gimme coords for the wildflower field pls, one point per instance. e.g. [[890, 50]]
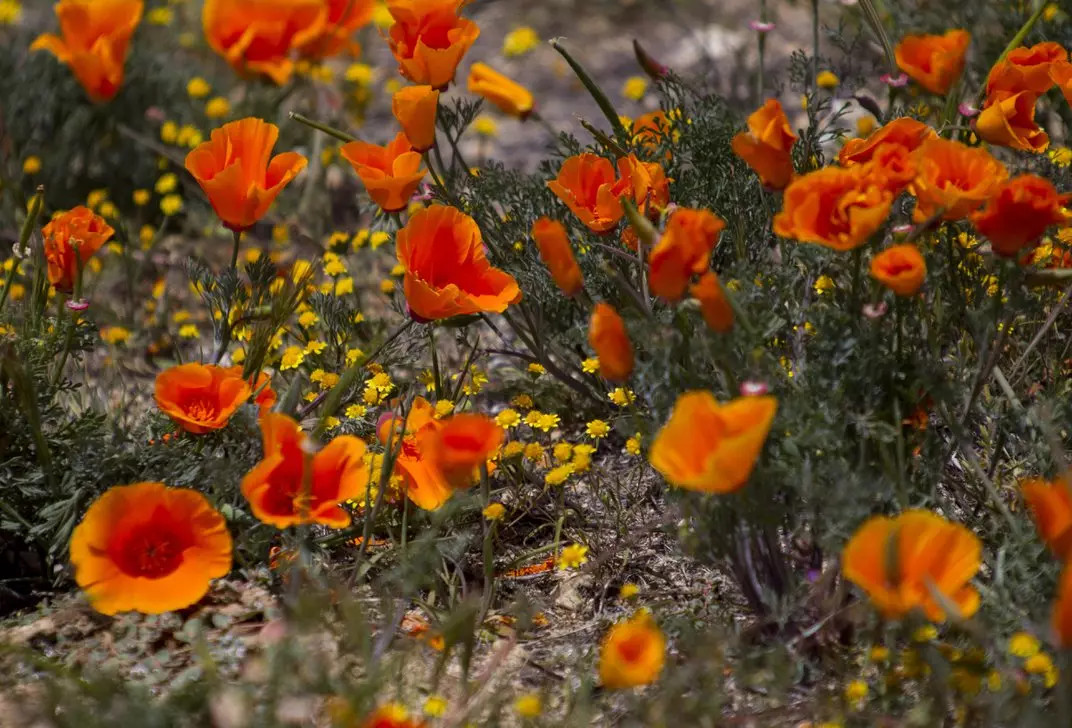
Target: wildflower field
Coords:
[[443, 363]]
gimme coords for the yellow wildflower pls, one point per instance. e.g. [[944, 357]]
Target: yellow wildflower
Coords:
[[572, 556]]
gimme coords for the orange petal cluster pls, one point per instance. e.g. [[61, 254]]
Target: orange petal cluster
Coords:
[[589, 187], [954, 180], [429, 38], [1019, 212], [632, 654], [461, 444], [1050, 504], [683, 251], [1013, 88], [200, 398], [509, 96], [608, 337], [903, 132], [424, 483], [767, 146], [935, 62], [79, 227], [557, 255], [415, 109], [835, 207], [900, 268], [390, 174], [344, 18]]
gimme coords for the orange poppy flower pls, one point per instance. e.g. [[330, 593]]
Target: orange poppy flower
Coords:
[[237, 171], [715, 308], [834, 207], [608, 337], [391, 174], [684, 250], [935, 62], [900, 268], [632, 654], [149, 548], [1061, 74], [904, 132], [391, 715], [1019, 212], [1008, 120], [1051, 507], [1027, 69], [649, 186], [446, 271], [710, 447], [263, 395], [200, 398], [509, 96], [954, 179], [429, 38], [79, 226], [415, 109], [290, 486], [767, 146], [258, 36], [424, 483], [344, 18], [461, 444], [894, 166], [650, 129], [557, 255], [586, 183], [93, 42], [1061, 621], [899, 561]]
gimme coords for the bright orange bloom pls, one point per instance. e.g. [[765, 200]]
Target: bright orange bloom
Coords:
[[237, 171], [900, 268], [632, 653], [200, 398], [905, 132], [415, 109], [710, 447], [935, 62], [291, 486], [264, 396], [1019, 212], [424, 483], [1061, 74], [954, 179], [1026, 69], [344, 18], [1061, 620], [684, 250], [81, 227], [149, 548], [587, 184], [1051, 507], [391, 715], [509, 96], [899, 561], [1008, 120], [834, 207], [647, 181], [391, 174], [557, 255], [608, 337], [650, 129], [446, 271], [429, 39], [895, 166], [767, 146], [715, 308], [95, 41], [461, 444], [258, 36]]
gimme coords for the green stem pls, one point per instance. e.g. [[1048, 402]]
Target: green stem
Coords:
[[1016, 42], [28, 226], [329, 130], [815, 42], [857, 267], [234, 252], [761, 42], [489, 545], [597, 93], [437, 379]]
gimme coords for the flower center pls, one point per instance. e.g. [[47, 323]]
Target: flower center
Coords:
[[150, 552], [202, 410]]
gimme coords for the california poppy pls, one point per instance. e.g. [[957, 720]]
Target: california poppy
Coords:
[[651, 129], [710, 447], [291, 486], [263, 395], [632, 653], [200, 397], [608, 337], [94, 41], [1061, 621], [446, 271], [391, 173], [905, 132], [81, 227], [429, 38], [589, 187], [344, 18], [715, 308], [835, 207], [767, 146], [900, 268], [903, 562], [149, 548], [1027, 68], [894, 166], [646, 183], [557, 255], [1019, 212], [461, 444], [415, 109], [954, 180], [1051, 507], [423, 482], [935, 62], [684, 250], [509, 96], [237, 171], [1008, 120], [1061, 74], [259, 36]]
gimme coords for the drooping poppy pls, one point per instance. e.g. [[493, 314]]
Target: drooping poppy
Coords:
[[79, 227], [1019, 212], [237, 171], [149, 548], [900, 268], [446, 270], [94, 41], [461, 444], [935, 62], [557, 255], [710, 447], [835, 207], [415, 109], [609, 339], [1008, 120], [509, 96], [429, 38], [683, 250], [589, 187], [905, 132], [391, 173], [767, 146], [715, 307], [1051, 507], [632, 653], [954, 179], [260, 36], [200, 398]]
